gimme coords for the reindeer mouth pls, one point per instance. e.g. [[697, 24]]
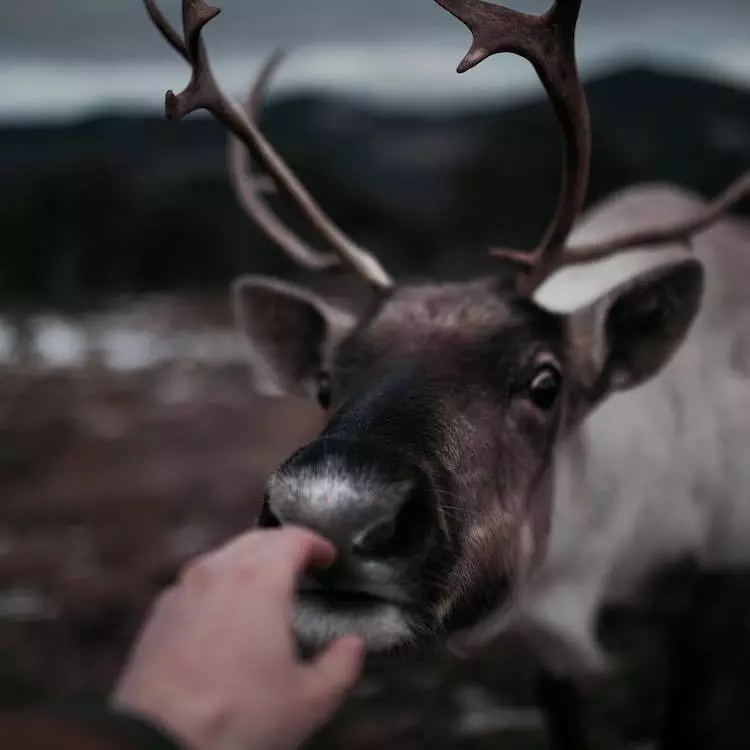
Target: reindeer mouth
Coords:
[[381, 620], [354, 591], [345, 599]]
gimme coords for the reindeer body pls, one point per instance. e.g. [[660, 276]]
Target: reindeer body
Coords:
[[655, 473]]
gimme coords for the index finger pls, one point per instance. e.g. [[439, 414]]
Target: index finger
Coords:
[[290, 552], [281, 555]]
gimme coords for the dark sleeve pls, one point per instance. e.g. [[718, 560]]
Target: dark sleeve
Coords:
[[81, 726]]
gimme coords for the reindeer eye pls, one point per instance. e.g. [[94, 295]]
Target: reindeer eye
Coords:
[[324, 389], [545, 387]]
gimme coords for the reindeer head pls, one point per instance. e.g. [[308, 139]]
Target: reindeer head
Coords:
[[434, 475]]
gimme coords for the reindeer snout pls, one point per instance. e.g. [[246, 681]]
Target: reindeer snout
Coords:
[[366, 498]]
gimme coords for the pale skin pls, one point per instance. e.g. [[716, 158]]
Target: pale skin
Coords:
[[215, 664]]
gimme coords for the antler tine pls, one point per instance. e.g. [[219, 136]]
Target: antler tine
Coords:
[[161, 23], [681, 231], [247, 186], [548, 43], [202, 92]]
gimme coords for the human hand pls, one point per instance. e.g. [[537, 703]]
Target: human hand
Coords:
[[216, 662]]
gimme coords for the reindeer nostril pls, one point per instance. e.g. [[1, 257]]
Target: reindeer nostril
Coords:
[[398, 535], [376, 540]]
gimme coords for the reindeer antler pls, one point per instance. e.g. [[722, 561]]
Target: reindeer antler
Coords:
[[203, 92], [247, 186], [548, 42], [679, 231]]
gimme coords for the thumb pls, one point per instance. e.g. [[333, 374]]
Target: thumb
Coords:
[[336, 671]]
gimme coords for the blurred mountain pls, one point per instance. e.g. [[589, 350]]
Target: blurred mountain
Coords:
[[121, 204]]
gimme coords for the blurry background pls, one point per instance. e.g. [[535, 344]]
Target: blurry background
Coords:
[[129, 438]]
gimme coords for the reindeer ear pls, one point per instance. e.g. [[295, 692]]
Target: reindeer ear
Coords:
[[635, 329], [291, 333]]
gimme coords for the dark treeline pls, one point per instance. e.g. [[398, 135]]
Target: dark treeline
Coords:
[[134, 204]]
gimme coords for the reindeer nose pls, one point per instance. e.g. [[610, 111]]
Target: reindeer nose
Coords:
[[371, 511], [401, 531]]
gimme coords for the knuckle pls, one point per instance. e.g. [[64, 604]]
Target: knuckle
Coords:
[[163, 600], [196, 573], [160, 604]]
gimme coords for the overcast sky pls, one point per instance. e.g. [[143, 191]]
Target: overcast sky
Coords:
[[63, 58]]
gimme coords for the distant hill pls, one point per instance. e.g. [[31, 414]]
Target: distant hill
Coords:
[[129, 204]]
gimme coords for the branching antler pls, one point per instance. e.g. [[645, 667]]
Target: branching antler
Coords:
[[681, 231], [202, 92], [247, 186], [548, 42]]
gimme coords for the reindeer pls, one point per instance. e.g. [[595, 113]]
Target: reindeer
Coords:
[[509, 453]]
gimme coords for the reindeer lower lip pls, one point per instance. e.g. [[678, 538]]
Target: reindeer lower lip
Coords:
[[322, 614]]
